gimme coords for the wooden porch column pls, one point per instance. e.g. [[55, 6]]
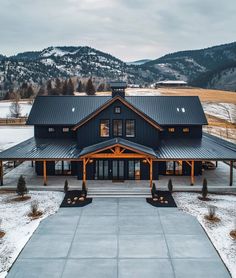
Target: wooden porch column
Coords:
[[192, 173], [231, 173], [150, 170], [44, 172], [85, 161], [1, 172]]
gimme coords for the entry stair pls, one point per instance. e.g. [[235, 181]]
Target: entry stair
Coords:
[[119, 192]]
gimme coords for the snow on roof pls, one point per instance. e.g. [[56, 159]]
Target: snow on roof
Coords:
[[172, 82]]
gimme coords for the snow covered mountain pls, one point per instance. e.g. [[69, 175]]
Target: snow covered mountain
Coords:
[[211, 67]]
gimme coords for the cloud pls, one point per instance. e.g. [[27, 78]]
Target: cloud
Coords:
[[128, 29]]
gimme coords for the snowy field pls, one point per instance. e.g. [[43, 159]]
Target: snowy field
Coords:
[[218, 232], [18, 226], [5, 105], [12, 135], [225, 111]]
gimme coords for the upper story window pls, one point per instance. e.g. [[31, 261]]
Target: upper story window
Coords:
[[185, 130], [171, 129], [65, 129], [117, 110], [104, 128], [117, 128], [51, 129], [130, 128]]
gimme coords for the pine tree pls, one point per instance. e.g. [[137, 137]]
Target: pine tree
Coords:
[[70, 88], [21, 186], [170, 185], [64, 88], [29, 92], [154, 190], [66, 186], [80, 87], [49, 87], [90, 90], [41, 91], [58, 86], [101, 87]]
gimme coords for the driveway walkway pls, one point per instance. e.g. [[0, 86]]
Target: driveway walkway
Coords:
[[119, 238]]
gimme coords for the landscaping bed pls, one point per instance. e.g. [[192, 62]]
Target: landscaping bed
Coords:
[[73, 199], [220, 231], [164, 199], [18, 226]]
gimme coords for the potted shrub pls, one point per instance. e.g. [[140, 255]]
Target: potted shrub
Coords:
[[66, 186], [170, 186]]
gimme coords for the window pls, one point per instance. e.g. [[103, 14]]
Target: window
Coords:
[[130, 128], [117, 110], [186, 130], [65, 129], [117, 128], [104, 128], [171, 130], [51, 129]]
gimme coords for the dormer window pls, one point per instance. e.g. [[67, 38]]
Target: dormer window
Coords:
[[65, 129], [51, 129], [117, 110]]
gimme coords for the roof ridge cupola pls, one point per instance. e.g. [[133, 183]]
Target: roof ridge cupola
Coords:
[[118, 88]]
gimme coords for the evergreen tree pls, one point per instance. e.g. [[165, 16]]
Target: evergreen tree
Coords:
[[66, 186], [49, 87], [41, 91], [23, 90], [58, 86], [154, 190], [21, 186], [101, 87], [170, 185], [80, 87], [29, 92], [70, 88], [90, 90], [64, 88]]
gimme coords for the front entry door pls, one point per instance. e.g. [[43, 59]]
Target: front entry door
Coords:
[[118, 170]]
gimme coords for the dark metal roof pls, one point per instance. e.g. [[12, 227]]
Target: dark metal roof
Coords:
[[118, 85], [63, 110], [115, 141], [42, 149], [204, 148], [171, 110], [70, 110]]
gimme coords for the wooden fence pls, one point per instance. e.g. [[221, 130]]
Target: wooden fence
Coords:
[[13, 121]]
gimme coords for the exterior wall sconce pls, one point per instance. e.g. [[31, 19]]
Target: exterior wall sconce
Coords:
[[144, 161]]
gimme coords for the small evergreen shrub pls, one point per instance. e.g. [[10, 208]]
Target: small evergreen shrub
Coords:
[[66, 186], [21, 187], [154, 190], [34, 207], [204, 189], [170, 185]]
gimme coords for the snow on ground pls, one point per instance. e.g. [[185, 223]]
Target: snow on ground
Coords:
[[225, 111], [18, 226], [218, 232], [5, 105], [12, 135]]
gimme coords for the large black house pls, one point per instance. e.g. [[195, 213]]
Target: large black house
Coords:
[[119, 137]]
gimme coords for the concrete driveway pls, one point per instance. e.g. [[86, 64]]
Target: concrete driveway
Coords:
[[119, 238]]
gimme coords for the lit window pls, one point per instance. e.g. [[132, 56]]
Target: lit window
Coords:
[[104, 128], [177, 109], [183, 110], [117, 109], [51, 129], [65, 129], [186, 130], [171, 129], [117, 128], [130, 128]]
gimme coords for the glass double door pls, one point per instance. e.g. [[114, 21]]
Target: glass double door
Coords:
[[117, 169]]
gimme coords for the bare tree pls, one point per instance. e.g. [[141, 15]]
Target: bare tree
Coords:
[[15, 108]]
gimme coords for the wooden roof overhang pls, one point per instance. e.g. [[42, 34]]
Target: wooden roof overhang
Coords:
[[127, 104]]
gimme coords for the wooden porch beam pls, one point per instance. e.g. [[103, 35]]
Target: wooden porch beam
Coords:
[[1, 172], [231, 173], [120, 155], [44, 172]]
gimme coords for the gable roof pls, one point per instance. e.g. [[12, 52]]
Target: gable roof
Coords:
[[71, 110]]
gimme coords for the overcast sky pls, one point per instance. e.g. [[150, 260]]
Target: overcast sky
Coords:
[[127, 29]]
